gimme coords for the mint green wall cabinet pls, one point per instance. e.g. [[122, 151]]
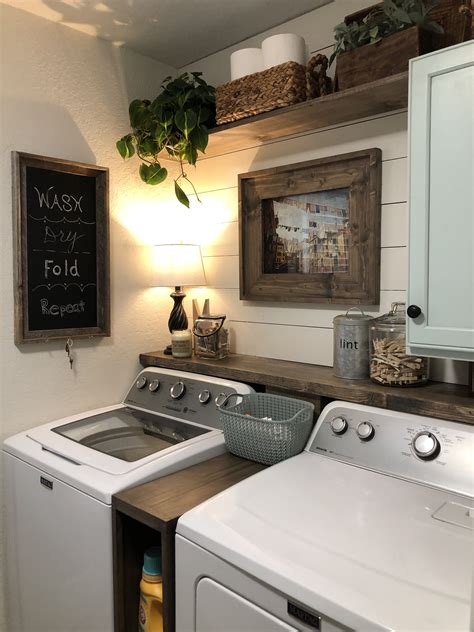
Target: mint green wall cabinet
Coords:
[[441, 204]]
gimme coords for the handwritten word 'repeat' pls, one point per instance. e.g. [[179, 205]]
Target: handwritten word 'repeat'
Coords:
[[63, 202], [60, 310], [67, 269], [61, 236]]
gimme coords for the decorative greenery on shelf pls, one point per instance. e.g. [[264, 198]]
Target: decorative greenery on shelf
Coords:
[[390, 17], [176, 122]]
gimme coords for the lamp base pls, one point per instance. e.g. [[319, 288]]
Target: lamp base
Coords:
[[178, 319], [167, 350]]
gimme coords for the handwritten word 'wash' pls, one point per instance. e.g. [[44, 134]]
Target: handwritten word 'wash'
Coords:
[[60, 310], [64, 202]]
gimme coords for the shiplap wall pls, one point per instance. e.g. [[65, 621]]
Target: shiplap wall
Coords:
[[300, 332]]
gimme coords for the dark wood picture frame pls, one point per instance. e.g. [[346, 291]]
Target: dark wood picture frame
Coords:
[[23, 165], [361, 173]]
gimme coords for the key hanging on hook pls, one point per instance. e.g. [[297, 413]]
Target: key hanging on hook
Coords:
[[68, 349]]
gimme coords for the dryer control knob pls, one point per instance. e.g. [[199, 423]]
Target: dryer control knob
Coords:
[[177, 390], [426, 446], [204, 397], [141, 382], [365, 431], [339, 425], [153, 386]]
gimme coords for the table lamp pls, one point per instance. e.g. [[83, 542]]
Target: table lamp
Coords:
[[177, 265]]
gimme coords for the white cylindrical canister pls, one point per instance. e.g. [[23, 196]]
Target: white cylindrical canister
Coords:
[[278, 49], [245, 61]]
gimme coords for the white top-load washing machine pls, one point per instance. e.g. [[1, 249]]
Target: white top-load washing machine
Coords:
[[59, 482], [370, 528]]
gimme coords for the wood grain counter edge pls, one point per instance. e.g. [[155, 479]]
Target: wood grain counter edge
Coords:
[[159, 503]]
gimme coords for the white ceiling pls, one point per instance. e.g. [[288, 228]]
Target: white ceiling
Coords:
[[177, 32]]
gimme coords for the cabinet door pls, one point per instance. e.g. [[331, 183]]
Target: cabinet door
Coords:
[[441, 134]]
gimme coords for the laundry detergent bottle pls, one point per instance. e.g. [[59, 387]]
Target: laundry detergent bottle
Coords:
[[150, 614]]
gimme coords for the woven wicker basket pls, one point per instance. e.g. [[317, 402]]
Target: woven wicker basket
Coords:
[[263, 91], [271, 89]]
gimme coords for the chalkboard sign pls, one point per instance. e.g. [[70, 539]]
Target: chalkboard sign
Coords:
[[62, 249]]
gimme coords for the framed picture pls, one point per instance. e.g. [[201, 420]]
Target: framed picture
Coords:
[[61, 254], [310, 232]]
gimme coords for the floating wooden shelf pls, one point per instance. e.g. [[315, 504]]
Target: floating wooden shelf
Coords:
[[377, 97], [436, 399]]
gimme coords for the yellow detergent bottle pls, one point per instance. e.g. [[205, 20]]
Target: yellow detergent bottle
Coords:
[[150, 615]]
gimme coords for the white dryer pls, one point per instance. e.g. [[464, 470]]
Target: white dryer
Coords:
[[59, 482], [369, 529]]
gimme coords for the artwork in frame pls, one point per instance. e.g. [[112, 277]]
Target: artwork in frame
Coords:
[[310, 232], [61, 249]]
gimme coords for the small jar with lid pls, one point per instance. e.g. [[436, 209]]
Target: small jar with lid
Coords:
[[389, 362], [181, 343]]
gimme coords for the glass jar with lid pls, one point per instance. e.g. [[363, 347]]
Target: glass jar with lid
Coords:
[[389, 362]]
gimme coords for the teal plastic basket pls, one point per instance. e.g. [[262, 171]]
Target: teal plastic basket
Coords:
[[267, 441]]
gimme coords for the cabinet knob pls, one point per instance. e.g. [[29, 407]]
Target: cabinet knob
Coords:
[[413, 311]]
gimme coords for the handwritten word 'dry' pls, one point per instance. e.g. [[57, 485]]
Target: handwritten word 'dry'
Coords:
[[66, 269], [61, 236], [60, 310], [63, 202]]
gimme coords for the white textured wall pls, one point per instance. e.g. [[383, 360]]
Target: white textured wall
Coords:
[[65, 94], [301, 332]]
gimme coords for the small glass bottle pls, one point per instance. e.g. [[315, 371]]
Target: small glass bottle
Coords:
[[182, 343], [389, 362]]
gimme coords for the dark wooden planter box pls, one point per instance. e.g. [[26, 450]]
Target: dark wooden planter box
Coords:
[[375, 61]]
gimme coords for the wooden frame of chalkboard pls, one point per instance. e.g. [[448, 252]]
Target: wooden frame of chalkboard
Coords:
[[61, 249]]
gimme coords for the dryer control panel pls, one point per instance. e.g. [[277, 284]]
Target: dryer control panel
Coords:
[[422, 449]]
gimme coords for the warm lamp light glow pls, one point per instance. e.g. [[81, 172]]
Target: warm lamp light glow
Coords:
[[177, 265]]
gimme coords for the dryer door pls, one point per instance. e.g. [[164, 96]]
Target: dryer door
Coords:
[[218, 609]]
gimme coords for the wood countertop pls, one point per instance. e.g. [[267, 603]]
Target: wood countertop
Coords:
[[436, 399], [161, 502], [147, 514]]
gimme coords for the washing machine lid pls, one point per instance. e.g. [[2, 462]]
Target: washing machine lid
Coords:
[[117, 440], [360, 547]]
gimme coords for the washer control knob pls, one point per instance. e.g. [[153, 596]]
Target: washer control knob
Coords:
[[153, 386], [177, 390], [141, 382], [426, 446], [339, 425], [365, 431], [204, 396], [220, 399]]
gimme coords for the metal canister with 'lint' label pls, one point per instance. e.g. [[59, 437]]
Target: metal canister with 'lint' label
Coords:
[[351, 345]]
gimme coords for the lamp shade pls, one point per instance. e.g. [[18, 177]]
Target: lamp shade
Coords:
[[177, 265]]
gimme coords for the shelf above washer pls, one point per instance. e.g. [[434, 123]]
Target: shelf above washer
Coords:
[[310, 381], [369, 99]]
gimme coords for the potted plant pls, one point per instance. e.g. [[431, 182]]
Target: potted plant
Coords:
[[379, 41], [175, 124]]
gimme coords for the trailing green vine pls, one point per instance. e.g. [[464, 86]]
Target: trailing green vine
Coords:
[[175, 123]]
